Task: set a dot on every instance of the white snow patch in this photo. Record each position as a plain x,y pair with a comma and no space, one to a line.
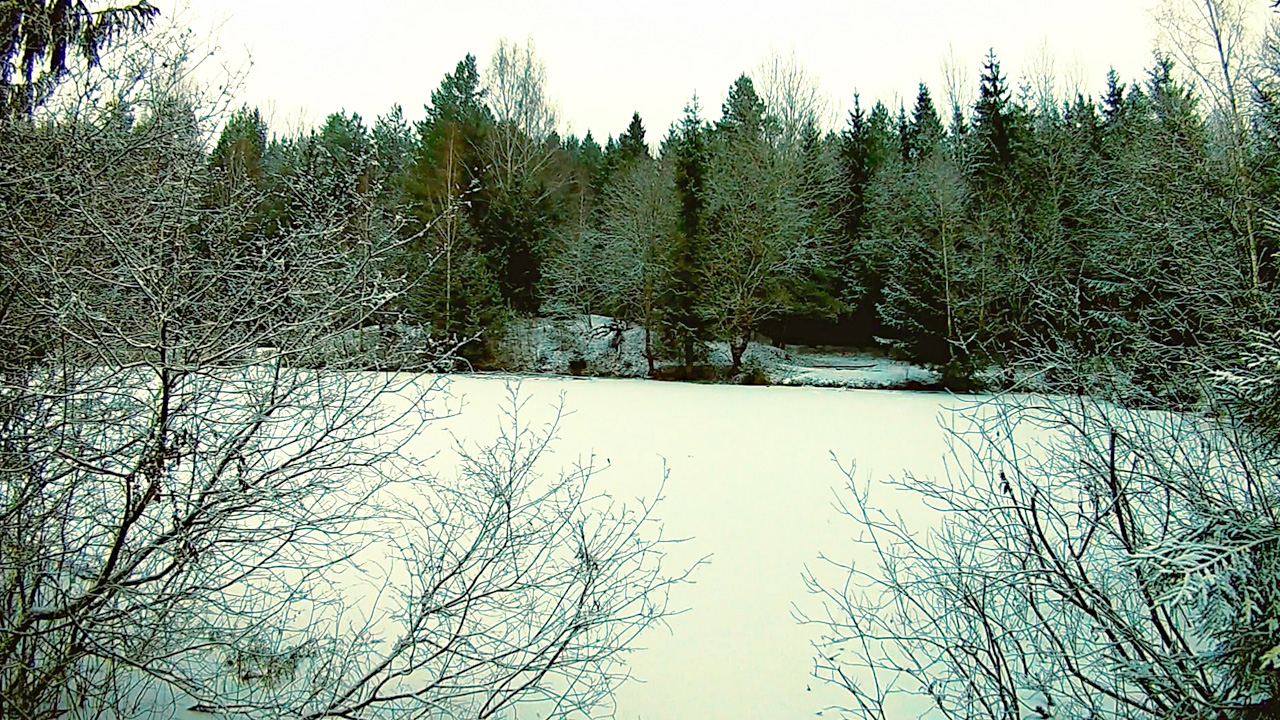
828,368
596,345
752,481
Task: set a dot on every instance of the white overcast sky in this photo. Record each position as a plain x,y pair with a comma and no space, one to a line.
605,59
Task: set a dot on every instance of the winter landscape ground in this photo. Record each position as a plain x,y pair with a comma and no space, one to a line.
259,456
751,484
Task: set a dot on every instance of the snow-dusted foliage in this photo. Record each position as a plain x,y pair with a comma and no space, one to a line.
1087,562
206,501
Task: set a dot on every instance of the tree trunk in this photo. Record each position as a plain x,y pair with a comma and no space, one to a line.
648,348
736,350
688,355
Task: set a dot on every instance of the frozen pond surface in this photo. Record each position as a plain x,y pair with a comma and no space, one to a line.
751,483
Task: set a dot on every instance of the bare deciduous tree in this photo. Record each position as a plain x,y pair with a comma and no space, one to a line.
200,474
1042,75
515,88
793,96
1083,561
957,82
1216,42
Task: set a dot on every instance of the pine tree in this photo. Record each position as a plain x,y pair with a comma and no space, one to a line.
455,290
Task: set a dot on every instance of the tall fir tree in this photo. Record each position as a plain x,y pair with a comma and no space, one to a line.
631,144
743,112
924,132
992,130
454,291
683,326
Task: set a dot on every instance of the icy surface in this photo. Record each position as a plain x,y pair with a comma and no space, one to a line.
751,484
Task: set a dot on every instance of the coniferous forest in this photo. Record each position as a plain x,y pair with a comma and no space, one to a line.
221,345
1130,232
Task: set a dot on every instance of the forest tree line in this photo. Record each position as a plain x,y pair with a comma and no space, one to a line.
1126,233
181,427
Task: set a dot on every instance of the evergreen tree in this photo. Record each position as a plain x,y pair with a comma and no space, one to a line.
631,144
393,147
681,321
992,130
455,291
591,157
238,178
924,132
743,112
1113,103
38,38
241,146
856,170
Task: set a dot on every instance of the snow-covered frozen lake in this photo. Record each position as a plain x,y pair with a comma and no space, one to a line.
751,483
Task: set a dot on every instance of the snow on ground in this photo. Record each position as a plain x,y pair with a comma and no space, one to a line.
751,484
584,345
595,345
826,367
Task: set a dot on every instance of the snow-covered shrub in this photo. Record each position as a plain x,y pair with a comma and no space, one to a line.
1088,562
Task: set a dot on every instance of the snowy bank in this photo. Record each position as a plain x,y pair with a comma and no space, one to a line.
599,346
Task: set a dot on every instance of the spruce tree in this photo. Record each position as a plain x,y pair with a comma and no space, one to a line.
39,42
993,121
682,324
855,167
743,112
924,132
631,144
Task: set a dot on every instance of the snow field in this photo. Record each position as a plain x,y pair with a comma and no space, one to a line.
751,486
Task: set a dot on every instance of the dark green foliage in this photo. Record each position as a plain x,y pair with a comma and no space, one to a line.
742,114
459,98
241,146
514,225
857,166
682,327
587,168
631,145
40,35
393,146
993,129
452,288
924,132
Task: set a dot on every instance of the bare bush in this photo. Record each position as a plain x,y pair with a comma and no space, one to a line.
1085,562
197,482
